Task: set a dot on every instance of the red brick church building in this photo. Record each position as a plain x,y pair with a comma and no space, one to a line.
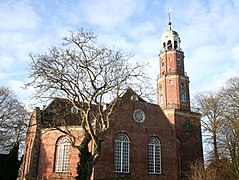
145,141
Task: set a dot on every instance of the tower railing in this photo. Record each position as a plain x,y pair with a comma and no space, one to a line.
183,107
178,49
173,73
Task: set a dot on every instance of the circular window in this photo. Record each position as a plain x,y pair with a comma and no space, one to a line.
139,115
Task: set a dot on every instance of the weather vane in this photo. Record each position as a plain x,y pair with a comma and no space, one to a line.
169,11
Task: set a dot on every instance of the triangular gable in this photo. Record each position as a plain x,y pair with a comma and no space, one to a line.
130,94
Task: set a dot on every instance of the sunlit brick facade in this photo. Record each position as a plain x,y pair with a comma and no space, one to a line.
144,141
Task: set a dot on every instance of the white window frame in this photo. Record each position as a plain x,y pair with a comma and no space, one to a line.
154,156
161,99
62,155
121,153
162,62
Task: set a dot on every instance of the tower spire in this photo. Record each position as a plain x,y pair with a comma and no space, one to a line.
169,13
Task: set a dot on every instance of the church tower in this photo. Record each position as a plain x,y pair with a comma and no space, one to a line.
173,97
173,82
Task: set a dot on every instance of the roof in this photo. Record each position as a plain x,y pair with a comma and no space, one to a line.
170,31
59,111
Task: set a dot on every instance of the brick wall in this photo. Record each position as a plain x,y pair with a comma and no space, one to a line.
31,152
156,124
47,155
175,144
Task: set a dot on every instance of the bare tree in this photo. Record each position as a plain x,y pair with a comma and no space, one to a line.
221,123
220,170
87,75
230,124
13,117
198,172
211,108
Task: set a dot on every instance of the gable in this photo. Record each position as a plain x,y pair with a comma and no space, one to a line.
129,94
155,119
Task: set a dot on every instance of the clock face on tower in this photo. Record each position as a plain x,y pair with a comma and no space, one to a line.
139,115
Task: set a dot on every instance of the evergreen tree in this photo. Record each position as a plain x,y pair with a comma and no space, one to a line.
12,164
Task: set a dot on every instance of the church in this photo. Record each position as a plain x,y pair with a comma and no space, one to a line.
144,140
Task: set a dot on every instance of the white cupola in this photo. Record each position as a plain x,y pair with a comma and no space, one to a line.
170,39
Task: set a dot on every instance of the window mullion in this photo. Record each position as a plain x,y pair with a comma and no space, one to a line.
63,157
128,157
121,157
154,158
63,154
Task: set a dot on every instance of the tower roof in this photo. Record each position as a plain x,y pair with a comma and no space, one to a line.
170,39
169,32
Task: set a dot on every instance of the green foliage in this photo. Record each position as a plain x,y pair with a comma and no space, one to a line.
12,164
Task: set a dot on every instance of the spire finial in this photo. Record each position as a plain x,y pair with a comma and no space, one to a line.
169,11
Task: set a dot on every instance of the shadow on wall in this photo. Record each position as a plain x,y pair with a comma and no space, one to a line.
46,168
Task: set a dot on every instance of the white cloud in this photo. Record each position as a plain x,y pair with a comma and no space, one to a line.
209,35
108,14
235,53
23,94
17,15
6,61
141,30
208,30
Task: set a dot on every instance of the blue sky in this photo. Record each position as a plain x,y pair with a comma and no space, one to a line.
208,30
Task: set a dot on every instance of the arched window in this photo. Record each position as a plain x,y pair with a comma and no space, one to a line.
62,155
183,96
164,45
121,153
169,45
161,99
188,125
175,44
154,156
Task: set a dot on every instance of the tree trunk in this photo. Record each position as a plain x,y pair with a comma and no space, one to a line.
215,149
87,159
216,156
84,156
89,170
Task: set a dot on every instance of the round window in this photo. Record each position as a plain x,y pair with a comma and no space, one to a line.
139,115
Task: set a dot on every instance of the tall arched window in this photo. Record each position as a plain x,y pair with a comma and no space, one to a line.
183,96
62,154
154,156
169,45
121,153
175,44
161,99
